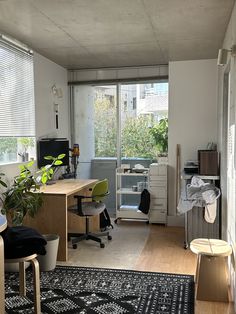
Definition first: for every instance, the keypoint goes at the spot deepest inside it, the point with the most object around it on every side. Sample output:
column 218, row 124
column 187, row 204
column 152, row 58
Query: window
column 138, row 120
column 105, row 126
column 17, row 108
column 106, row 129
column 138, row 117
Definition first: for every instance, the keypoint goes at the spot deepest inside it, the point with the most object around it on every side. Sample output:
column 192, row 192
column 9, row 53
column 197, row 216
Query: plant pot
column 14, row 267
column 162, row 159
column 48, row 262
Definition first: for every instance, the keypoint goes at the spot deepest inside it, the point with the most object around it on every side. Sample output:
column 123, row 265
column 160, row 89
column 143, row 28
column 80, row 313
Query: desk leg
column 2, row 282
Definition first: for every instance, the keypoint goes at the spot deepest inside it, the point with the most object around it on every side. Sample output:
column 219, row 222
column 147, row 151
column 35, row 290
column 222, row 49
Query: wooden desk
column 52, row 217
column 3, row 225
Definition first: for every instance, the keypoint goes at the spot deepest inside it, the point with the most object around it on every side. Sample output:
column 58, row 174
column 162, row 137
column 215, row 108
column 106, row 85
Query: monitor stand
column 51, row 182
column 68, row 176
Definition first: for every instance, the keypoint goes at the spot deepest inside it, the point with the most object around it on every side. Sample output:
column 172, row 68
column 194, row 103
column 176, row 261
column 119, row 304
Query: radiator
column 197, row 227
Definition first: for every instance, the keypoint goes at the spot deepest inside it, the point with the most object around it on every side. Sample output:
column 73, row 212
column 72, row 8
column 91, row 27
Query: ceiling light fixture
column 223, row 55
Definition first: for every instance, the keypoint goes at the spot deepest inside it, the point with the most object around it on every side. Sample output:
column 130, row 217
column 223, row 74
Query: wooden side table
column 36, row 278
column 211, row 275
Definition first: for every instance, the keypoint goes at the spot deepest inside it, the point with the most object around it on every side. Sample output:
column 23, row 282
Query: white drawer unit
column 157, row 216
column 158, row 192
column 159, row 183
column 158, row 170
column 158, row 189
column 158, row 203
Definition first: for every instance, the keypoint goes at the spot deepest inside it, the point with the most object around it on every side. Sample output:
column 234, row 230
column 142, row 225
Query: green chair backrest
column 100, row 190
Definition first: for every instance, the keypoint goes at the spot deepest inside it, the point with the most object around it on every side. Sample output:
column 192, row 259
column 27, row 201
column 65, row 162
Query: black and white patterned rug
column 83, row 290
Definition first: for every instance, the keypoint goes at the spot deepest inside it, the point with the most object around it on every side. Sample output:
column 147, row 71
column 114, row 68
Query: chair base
column 88, row 236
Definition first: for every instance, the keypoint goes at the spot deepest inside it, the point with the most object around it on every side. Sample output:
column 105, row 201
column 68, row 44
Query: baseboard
column 175, row 221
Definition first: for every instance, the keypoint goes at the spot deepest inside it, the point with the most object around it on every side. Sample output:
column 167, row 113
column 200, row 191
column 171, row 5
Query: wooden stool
column 36, row 278
column 211, row 275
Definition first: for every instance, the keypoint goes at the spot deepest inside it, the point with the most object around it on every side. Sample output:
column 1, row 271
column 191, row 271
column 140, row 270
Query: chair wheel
column 74, row 246
column 109, row 237
column 102, row 245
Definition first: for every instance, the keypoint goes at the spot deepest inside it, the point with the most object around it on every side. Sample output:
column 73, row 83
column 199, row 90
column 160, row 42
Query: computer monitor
column 52, row 147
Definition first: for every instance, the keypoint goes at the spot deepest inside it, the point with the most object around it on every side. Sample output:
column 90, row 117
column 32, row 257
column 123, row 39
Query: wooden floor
column 138, row 246
column 164, row 252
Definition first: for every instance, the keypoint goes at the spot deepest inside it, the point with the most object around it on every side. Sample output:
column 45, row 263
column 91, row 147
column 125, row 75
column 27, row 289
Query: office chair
column 90, row 208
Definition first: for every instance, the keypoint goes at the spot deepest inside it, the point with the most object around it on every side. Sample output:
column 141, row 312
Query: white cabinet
column 158, row 191
column 129, row 186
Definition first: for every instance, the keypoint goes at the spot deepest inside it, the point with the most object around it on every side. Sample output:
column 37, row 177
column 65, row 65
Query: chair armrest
column 81, row 196
column 79, row 203
column 91, row 196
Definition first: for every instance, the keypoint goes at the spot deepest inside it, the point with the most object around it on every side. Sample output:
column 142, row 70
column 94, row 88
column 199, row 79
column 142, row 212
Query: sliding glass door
column 114, row 124
column 117, row 121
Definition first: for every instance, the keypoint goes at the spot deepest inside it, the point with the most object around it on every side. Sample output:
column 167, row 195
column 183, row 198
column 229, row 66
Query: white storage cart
column 129, row 186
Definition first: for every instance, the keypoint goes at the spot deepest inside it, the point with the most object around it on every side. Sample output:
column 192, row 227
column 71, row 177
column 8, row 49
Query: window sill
column 15, row 163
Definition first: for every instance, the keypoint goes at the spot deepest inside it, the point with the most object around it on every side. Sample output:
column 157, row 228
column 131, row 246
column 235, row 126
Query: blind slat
column 17, row 108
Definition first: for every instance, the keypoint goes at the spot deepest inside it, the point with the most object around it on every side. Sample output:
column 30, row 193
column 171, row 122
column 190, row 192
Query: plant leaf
column 48, row 157
column 61, row 156
column 44, row 179
column 30, row 164
column 58, row 162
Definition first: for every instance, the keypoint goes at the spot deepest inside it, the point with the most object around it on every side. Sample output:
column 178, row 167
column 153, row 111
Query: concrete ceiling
column 79, row 34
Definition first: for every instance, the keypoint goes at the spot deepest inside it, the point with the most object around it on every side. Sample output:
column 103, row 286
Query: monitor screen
column 52, row 147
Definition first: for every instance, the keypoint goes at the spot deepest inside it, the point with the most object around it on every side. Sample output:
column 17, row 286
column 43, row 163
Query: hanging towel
column 210, row 212
column 144, row 202
column 200, row 194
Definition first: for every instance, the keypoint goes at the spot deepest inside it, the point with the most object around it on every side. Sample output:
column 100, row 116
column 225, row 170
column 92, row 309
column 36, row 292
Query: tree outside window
column 144, row 123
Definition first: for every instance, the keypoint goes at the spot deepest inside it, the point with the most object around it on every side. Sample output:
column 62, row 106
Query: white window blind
column 17, row 108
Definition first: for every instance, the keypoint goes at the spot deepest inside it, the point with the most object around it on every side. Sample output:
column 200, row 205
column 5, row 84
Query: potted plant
column 23, row 196
column 160, row 136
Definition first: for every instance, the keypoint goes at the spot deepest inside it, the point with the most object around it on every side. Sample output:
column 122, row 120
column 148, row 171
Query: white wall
column 228, row 175
column 192, row 114
column 46, row 74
